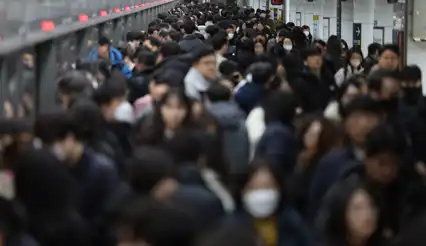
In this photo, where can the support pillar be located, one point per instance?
(383, 16)
(347, 19)
(364, 15)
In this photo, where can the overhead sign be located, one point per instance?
(357, 31)
(276, 2)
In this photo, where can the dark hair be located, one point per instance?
(212, 30)
(333, 219)
(75, 83)
(171, 77)
(362, 103)
(163, 34)
(147, 167)
(385, 139)
(170, 49)
(355, 80)
(328, 139)
(334, 45)
(103, 41)
(375, 79)
(188, 26)
(391, 47)
(158, 223)
(279, 106)
(311, 52)
(154, 42)
(277, 173)
(133, 36)
(320, 42)
(219, 40)
(147, 58)
(218, 93)
(228, 67)
(51, 127)
(373, 48)
(152, 29)
(202, 52)
(152, 132)
(261, 72)
(113, 88)
(175, 36)
(412, 73)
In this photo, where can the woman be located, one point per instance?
(333, 57)
(349, 216)
(266, 211)
(349, 90)
(351, 66)
(317, 136)
(171, 114)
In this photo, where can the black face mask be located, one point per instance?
(412, 96)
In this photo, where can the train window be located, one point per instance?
(18, 90)
(119, 35)
(108, 29)
(67, 53)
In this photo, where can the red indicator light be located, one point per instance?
(136, 6)
(117, 10)
(47, 26)
(142, 5)
(103, 13)
(83, 18)
(127, 8)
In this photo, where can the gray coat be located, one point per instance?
(236, 143)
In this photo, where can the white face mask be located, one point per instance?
(306, 33)
(355, 62)
(58, 152)
(230, 36)
(124, 112)
(261, 203)
(288, 47)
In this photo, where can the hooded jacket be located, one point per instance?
(190, 42)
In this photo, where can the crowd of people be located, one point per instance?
(219, 126)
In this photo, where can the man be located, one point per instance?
(203, 70)
(372, 57)
(189, 41)
(389, 58)
(220, 46)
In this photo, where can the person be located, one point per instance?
(161, 81)
(349, 216)
(96, 176)
(152, 44)
(266, 209)
(109, 54)
(203, 70)
(389, 58)
(384, 86)
(320, 44)
(229, 70)
(307, 32)
(316, 136)
(189, 41)
(219, 43)
(411, 85)
(232, 121)
(251, 94)
(152, 172)
(138, 84)
(278, 145)
(352, 65)
(360, 117)
(172, 113)
(53, 219)
(314, 88)
(72, 85)
(155, 223)
(333, 57)
(348, 90)
(372, 58)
